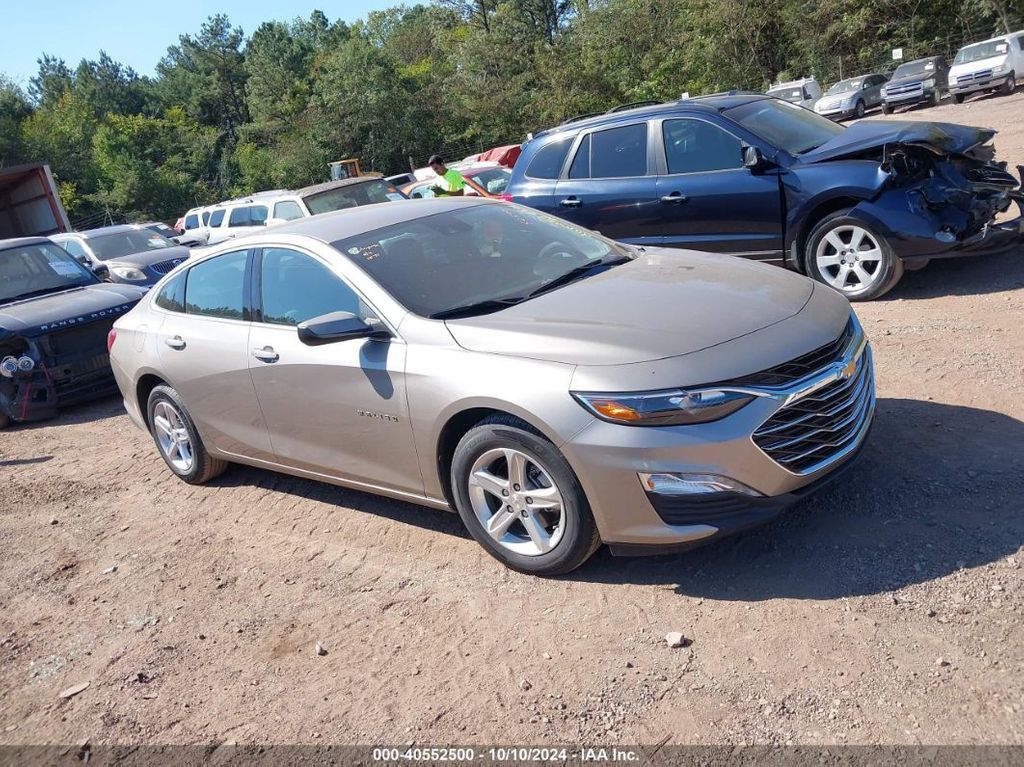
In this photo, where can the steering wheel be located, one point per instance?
(550, 256)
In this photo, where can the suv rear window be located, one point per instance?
(548, 161)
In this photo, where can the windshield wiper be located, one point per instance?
(478, 307)
(573, 274)
(40, 292)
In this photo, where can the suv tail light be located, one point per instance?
(506, 197)
(111, 337)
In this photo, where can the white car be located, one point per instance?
(804, 92)
(993, 64)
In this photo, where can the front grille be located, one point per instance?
(809, 432)
(984, 74)
(794, 370)
(901, 90)
(163, 267)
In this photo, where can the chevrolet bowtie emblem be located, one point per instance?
(848, 370)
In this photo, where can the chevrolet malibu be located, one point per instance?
(555, 388)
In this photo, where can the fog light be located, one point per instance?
(25, 363)
(9, 366)
(692, 484)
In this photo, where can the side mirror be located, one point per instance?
(340, 326)
(100, 270)
(753, 159)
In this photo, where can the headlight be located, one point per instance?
(1000, 68)
(951, 79)
(929, 83)
(664, 408)
(128, 273)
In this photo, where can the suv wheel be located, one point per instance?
(520, 500)
(1010, 85)
(847, 255)
(886, 109)
(958, 98)
(177, 439)
(860, 109)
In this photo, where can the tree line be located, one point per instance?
(227, 114)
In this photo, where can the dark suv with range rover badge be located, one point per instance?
(55, 316)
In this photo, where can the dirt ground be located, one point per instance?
(887, 609)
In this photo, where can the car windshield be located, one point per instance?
(845, 86)
(912, 68)
(478, 258)
(118, 244)
(491, 180)
(31, 270)
(794, 95)
(352, 196)
(981, 51)
(784, 125)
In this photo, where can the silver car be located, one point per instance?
(555, 388)
(852, 97)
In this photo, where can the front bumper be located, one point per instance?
(976, 86)
(837, 113)
(913, 97)
(608, 457)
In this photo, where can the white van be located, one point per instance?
(994, 64)
(804, 92)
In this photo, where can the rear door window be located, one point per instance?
(695, 146)
(215, 288)
(217, 217)
(547, 163)
(580, 167)
(619, 152)
(240, 217)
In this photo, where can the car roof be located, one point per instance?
(995, 39)
(707, 104)
(20, 242)
(100, 231)
(342, 224)
(915, 61)
(792, 83)
(327, 186)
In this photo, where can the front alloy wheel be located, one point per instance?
(845, 254)
(520, 499)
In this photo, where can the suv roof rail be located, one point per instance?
(577, 118)
(731, 92)
(633, 105)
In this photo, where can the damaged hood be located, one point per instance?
(66, 308)
(665, 303)
(946, 138)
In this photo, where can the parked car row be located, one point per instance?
(990, 65)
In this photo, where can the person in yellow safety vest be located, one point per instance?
(450, 181)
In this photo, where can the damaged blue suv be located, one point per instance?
(754, 176)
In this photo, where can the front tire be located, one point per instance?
(178, 440)
(520, 500)
(886, 109)
(848, 256)
(1009, 86)
(859, 110)
(958, 98)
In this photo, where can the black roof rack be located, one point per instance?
(633, 105)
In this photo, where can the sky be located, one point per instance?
(136, 32)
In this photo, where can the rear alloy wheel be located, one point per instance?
(520, 500)
(846, 255)
(177, 439)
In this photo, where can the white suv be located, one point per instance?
(236, 218)
(986, 66)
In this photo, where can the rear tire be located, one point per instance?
(178, 440)
(851, 258)
(520, 500)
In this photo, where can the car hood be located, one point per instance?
(149, 257)
(663, 304)
(76, 306)
(945, 138)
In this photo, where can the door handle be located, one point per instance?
(570, 202)
(266, 354)
(175, 342)
(675, 198)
